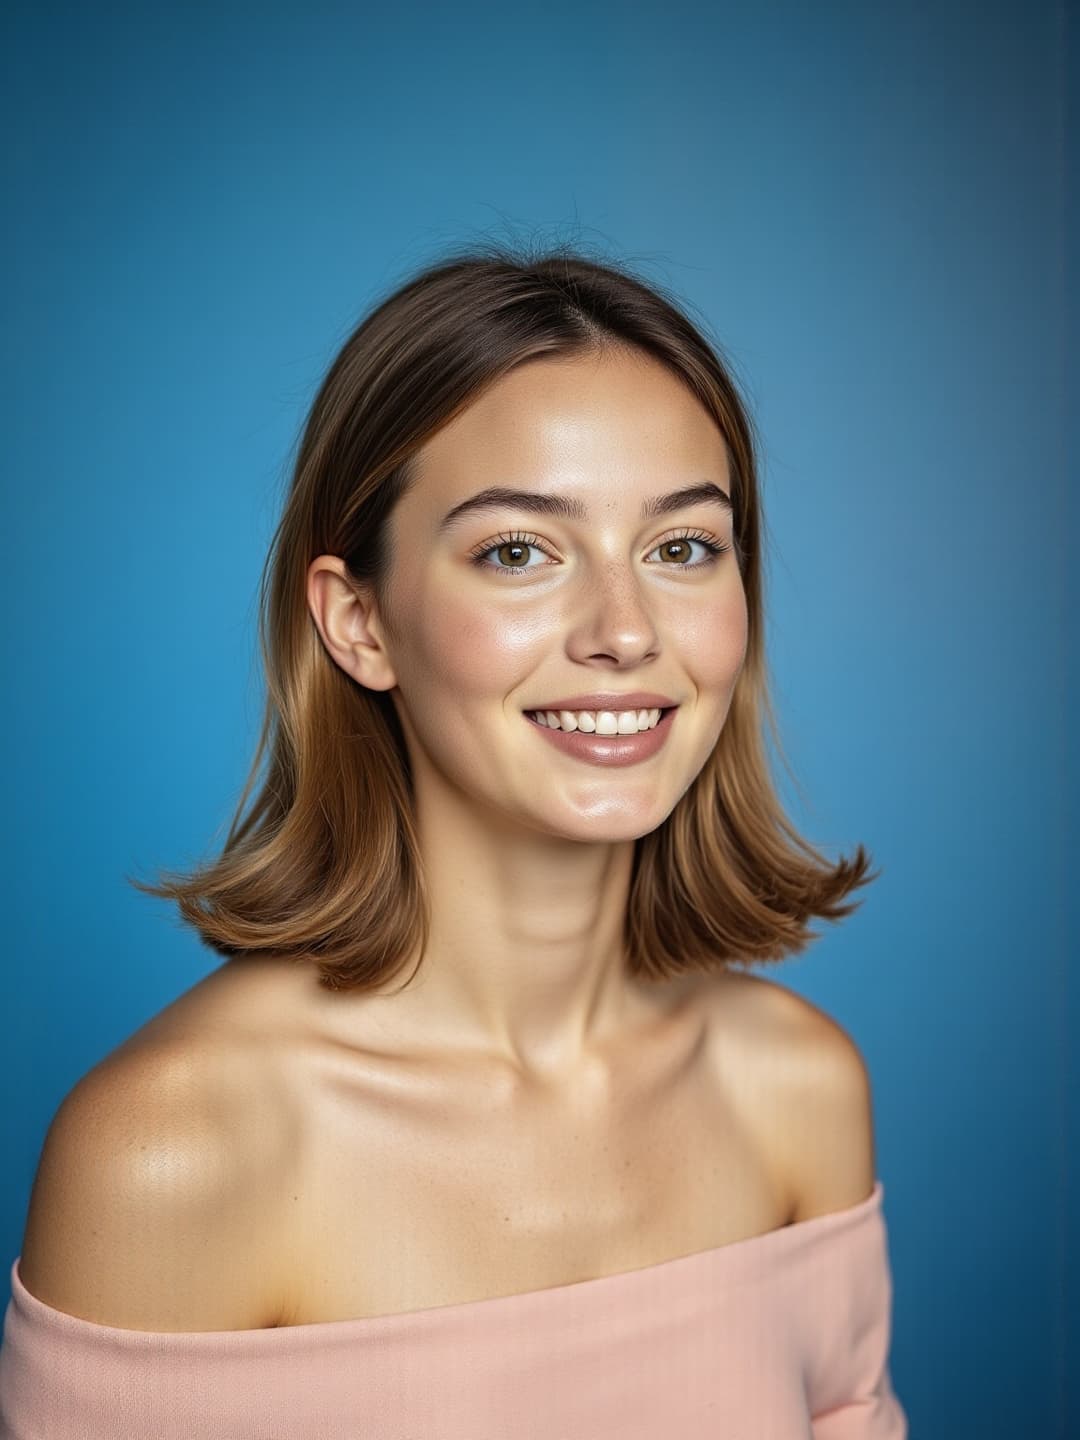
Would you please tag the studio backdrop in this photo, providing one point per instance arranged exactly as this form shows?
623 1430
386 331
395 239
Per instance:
869 208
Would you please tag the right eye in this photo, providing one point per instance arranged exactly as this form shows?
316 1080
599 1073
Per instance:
515 545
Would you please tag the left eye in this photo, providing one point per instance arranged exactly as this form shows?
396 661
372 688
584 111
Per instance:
711 547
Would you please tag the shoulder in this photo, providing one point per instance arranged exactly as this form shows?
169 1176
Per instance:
802 1078
155 1191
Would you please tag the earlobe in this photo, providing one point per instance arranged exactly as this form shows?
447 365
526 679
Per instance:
348 624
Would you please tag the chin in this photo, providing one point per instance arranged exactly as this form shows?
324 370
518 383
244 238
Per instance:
605 826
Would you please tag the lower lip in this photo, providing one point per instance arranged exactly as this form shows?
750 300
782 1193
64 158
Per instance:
609 749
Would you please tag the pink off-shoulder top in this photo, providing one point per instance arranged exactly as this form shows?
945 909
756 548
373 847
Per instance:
782 1336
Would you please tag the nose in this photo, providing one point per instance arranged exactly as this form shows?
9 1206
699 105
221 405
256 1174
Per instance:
612 619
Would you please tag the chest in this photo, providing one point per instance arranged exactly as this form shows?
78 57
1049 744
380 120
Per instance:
413 1193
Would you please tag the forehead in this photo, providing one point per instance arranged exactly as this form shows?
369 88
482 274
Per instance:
616 421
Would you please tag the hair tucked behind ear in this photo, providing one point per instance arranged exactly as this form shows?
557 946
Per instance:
324 867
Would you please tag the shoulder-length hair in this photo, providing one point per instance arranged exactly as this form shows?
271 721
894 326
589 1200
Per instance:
325 868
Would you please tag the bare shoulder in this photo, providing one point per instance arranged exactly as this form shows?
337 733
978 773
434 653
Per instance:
802 1077
156 1190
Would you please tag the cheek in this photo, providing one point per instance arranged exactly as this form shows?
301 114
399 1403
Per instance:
477 649
712 639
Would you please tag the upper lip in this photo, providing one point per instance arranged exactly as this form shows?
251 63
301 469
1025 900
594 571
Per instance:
606 700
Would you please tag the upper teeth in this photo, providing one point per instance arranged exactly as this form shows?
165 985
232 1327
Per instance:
603 722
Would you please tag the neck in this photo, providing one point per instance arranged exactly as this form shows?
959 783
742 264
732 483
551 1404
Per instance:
526 959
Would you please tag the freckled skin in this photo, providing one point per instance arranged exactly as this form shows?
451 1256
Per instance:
482 646
527 851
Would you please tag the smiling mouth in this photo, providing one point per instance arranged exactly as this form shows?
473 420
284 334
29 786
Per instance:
604 724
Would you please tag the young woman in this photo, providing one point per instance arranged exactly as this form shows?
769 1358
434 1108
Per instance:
480 1132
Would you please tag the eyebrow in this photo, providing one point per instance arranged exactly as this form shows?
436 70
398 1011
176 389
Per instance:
500 497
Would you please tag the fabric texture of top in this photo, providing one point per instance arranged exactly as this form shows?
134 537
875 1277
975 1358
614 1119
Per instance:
782 1336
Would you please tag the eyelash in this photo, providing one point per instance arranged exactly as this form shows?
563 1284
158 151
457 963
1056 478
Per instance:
714 547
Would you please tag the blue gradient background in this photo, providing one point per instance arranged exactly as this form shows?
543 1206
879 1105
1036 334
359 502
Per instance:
869 207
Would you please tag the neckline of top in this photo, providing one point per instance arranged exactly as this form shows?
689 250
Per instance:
729 1255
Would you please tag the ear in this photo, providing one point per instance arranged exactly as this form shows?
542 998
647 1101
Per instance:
348 622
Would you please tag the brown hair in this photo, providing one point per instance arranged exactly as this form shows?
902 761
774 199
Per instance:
325 867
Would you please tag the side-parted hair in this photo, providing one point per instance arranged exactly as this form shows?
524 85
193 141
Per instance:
325 867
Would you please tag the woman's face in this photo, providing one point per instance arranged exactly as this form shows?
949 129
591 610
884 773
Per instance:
502 609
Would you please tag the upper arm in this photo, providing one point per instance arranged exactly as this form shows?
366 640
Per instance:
820 1104
141 1213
